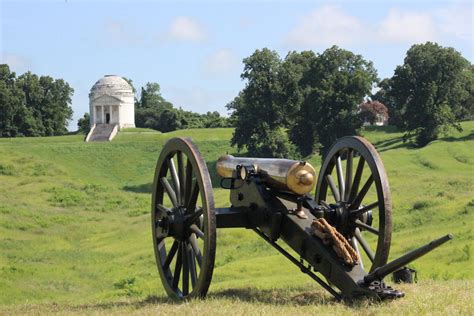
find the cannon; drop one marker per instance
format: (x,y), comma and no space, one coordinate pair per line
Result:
(272,197)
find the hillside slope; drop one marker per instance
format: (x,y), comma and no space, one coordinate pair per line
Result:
(75,228)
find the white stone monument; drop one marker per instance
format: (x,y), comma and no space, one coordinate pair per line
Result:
(111,106)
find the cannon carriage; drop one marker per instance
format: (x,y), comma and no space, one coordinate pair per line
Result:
(272,197)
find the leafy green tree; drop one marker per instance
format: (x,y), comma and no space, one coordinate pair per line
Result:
(268,142)
(32,105)
(150,96)
(334,85)
(431,91)
(11,104)
(214,120)
(153,111)
(49,101)
(84,124)
(258,110)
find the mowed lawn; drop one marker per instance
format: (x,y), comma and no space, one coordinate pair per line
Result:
(75,229)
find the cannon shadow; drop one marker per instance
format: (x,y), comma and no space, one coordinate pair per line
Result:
(251,295)
(274,296)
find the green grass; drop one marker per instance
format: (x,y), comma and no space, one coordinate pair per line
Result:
(75,228)
(425,298)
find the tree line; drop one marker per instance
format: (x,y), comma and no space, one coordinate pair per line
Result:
(32,105)
(302,104)
(153,111)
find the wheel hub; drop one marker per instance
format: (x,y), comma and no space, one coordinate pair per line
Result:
(179,228)
(338,215)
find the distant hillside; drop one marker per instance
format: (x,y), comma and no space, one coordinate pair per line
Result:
(75,224)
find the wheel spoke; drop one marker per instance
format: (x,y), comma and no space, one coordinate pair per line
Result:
(193,198)
(174,177)
(366,227)
(340,179)
(197,231)
(192,265)
(169,191)
(332,185)
(195,246)
(177,268)
(161,249)
(171,254)
(357,177)
(358,212)
(350,155)
(358,200)
(194,216)
(364,245)
(163,209)
(189,182)
(181,176)
(355,245)
(185,269)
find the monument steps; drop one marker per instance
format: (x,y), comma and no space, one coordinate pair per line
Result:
(102,132)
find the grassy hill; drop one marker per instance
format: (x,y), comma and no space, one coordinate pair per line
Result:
(75,227)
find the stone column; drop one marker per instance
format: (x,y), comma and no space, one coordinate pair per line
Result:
(103,114)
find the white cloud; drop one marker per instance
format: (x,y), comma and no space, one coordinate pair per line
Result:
(331,25)
(16,62)
(185,28)
(407,27)
(118,32)
(456,21)
(221,62)
(327,25)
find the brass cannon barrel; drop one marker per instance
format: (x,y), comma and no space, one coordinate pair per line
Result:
(284,174)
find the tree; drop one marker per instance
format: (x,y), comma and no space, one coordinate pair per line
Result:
(84,124)
(371,111)
(334,85)
(214,120)
(11,104)
(32,105)
(258,110)
(311,99)
(49,101)
(431,91)
(153,111)
(271,143)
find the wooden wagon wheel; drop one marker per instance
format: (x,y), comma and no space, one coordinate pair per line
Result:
(183,220)
(361,203)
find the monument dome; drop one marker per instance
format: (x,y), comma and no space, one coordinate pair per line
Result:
(111,106)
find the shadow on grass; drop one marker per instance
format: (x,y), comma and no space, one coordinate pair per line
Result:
(276,297)
(393,143)
(398,142)
(148,301)
(470,136)
(139,188)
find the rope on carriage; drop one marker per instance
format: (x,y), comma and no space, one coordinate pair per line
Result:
(330,236)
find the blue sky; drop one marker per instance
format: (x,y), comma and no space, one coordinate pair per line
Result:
(194,49)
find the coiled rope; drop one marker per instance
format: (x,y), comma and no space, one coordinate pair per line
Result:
(330,236)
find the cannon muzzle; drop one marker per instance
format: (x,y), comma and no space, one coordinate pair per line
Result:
(298,177)
(380,272)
